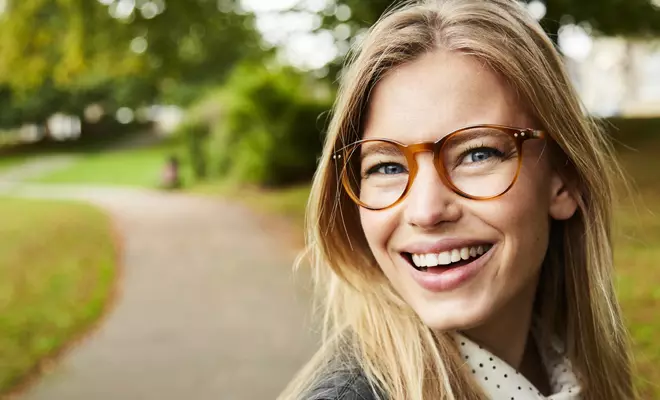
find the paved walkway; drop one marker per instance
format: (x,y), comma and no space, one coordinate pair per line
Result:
(207,306)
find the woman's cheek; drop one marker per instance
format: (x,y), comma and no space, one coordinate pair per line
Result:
(378,227)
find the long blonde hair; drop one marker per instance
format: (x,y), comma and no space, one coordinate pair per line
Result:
(364,318)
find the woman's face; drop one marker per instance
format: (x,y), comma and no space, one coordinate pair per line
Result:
(422,102)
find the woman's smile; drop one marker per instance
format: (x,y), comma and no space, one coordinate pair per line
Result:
(447,266)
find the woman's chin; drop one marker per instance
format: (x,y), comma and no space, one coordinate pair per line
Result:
(452,317)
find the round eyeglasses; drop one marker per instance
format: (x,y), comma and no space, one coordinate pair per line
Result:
(479,162)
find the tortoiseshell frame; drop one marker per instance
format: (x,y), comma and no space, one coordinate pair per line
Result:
(409,151)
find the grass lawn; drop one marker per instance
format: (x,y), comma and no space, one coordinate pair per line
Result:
(124,158)
(637,257)
(10,162)
(637,254)
(57,266)
(130,167)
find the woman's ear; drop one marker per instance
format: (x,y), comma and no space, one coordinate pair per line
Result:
(563,198)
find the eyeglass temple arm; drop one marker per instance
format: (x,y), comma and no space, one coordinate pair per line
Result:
(533,133)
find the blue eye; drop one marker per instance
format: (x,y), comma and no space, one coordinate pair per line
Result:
(386,169)
(481,155)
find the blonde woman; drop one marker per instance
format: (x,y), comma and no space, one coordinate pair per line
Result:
(459,221)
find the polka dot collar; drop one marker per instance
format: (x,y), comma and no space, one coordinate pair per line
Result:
(501,381)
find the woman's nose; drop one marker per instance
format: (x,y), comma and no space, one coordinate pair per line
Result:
(429,202)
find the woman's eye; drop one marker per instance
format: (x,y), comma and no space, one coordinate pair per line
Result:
(386,169)
(481,155)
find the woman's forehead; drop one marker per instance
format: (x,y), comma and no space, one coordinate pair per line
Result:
(437,94)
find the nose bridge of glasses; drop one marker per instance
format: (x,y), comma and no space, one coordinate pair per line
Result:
(414,149)
(411,151)
(428,147)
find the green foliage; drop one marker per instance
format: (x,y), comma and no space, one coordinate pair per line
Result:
(263,127)
(62,55)
(609,17)
(194,135)
(70,43)
(270,129)
(77,43)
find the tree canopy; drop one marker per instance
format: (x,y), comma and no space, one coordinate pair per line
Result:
(609,17)
(66,54)
(62,55)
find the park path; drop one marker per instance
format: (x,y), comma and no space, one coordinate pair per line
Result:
(207,308)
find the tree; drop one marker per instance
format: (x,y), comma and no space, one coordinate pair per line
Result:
(67,42)
(608,17)
(633,18)
(117,52)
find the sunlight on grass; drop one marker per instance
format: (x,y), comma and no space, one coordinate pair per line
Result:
(7,163)
(132,167)
(57,265)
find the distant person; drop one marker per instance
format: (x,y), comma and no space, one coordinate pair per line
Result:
(459,223)
(171,173)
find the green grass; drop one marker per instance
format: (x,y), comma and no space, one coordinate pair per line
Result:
(637,254)
(6,163)
(139,167)
(57,266)
(127,158)
(637,257)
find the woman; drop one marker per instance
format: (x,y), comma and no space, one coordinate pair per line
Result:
(459,221)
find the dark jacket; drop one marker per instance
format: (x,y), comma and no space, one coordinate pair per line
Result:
(347,383)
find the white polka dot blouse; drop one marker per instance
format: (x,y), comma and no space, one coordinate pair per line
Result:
(501,381)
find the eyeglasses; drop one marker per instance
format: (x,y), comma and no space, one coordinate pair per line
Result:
(479,162)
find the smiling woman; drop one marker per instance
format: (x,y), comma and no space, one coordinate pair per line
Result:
(460,219)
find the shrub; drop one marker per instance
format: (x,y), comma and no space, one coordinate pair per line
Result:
(268,131)
(193,134)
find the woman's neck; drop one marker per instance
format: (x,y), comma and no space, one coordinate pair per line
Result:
(533,369)
(507,335)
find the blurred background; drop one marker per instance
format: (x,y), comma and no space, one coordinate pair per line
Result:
(155,160)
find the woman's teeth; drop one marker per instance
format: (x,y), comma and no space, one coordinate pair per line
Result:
(450,256)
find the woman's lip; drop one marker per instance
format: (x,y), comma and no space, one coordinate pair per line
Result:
(443,279)
(443,245)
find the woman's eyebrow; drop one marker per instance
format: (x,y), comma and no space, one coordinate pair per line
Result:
(381,149)
(466,136)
